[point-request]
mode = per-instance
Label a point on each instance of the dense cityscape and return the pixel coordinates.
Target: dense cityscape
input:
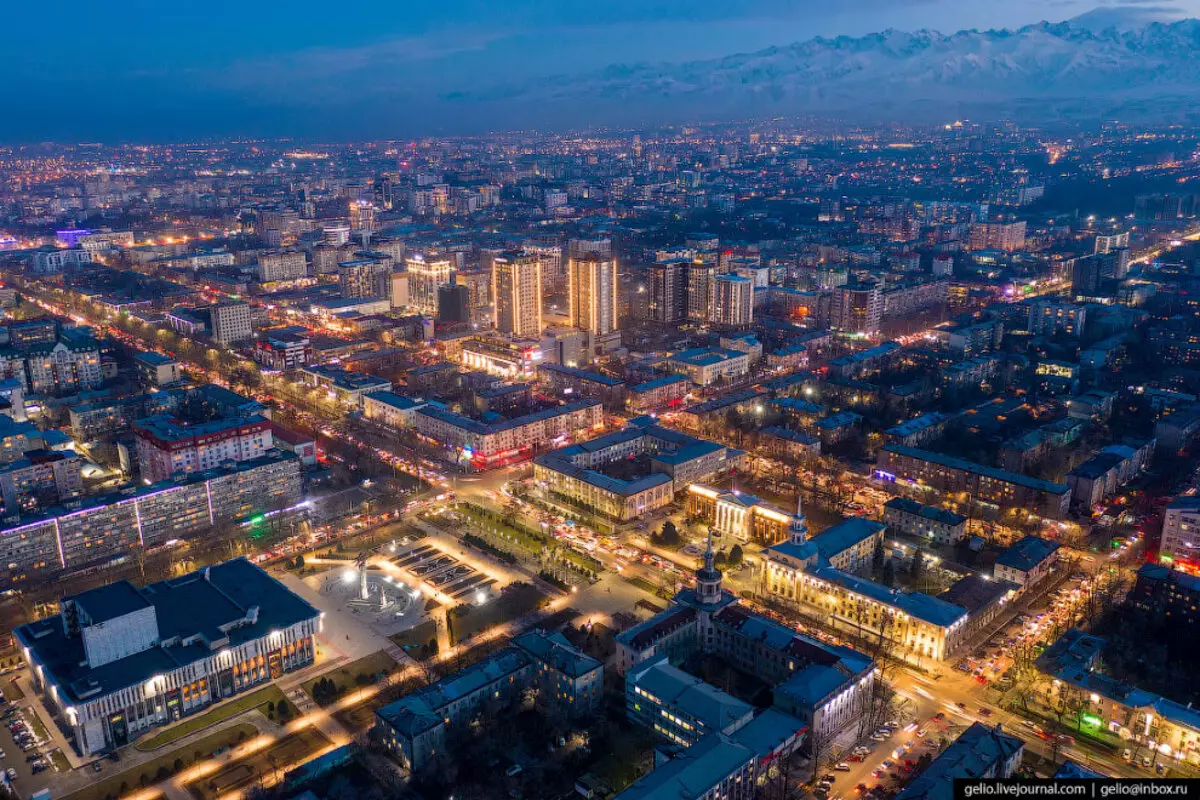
(773, 459)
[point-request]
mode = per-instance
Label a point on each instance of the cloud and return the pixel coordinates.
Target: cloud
(1128, 14)
(314, 72)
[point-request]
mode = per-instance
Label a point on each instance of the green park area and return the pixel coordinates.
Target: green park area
(265, 767)
(166, 765)
(228, 710)
(415, 641)
(515, 601)
(327, 688)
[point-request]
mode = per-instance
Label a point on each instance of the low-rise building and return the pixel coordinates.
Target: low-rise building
(155, 369)
(492, 444)
(980, 751)
(1028, 562)
(925, 522)
(918, 431)
(742, 516)
(704, 366)
(672, 461)
(575, 383)
(680, 707)
(789, 445)
(392, 410)
(347, 388)
(657, 394)
(1166, 593)
(415, 728)
(118, 661)
(951, 475)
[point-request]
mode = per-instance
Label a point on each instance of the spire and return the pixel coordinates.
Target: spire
(798, 530)
(708, 577)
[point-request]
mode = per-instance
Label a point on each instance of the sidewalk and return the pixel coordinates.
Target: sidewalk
(33, 700)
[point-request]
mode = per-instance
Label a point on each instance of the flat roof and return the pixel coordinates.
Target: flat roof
(195, 613)
(658, 383)
(582, 374)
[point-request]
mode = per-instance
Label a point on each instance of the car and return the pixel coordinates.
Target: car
(1146, 762)
(877, 773)
(842, 767)
(987, 712)
(962, 706)
(891, 724)
(1127, 755)
(11, 774)
(828, 778)
(1065, 739)
(1028, 723)
(858, 759)
(861, 788)
(939, 716)
(921, 733)
(888, 763)
(97, 766)
(877, 738)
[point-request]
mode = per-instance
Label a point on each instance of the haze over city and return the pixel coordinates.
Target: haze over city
(618, 401)
(158, 73)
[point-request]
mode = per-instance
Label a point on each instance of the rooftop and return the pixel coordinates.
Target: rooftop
(910, 506)
(712, 708)
(974, 754)
(921, 606)
(1027, 553)
(217, 607)
(554, 649)
(963, 464)
(422, 710)
(582, 374)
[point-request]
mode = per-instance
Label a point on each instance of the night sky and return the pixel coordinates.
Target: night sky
(137, 70)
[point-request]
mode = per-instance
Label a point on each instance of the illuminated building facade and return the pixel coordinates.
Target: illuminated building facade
(118, 661)
(517, 295)
(742, 516)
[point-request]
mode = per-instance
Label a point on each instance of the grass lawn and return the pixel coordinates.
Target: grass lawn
(131, 779)
(271, 763)
(357, 718)
(412, 639)
(516, 601)
(35, 722)
(346, 677)
(59, 760)
(259, 697)
(643, 584)
(517, 535)
(12, 691)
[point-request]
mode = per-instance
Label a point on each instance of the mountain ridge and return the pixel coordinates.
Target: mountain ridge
(1060, 64)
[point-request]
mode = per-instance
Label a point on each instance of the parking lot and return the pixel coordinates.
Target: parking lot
(25, 757)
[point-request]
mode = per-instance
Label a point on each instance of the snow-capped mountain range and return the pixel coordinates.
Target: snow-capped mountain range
(1040, 71)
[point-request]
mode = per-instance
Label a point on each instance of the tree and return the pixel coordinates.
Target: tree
(916, 572)
(669, 535)
(889, 574)
(877, 558)
(299, 562)
(735, 556)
